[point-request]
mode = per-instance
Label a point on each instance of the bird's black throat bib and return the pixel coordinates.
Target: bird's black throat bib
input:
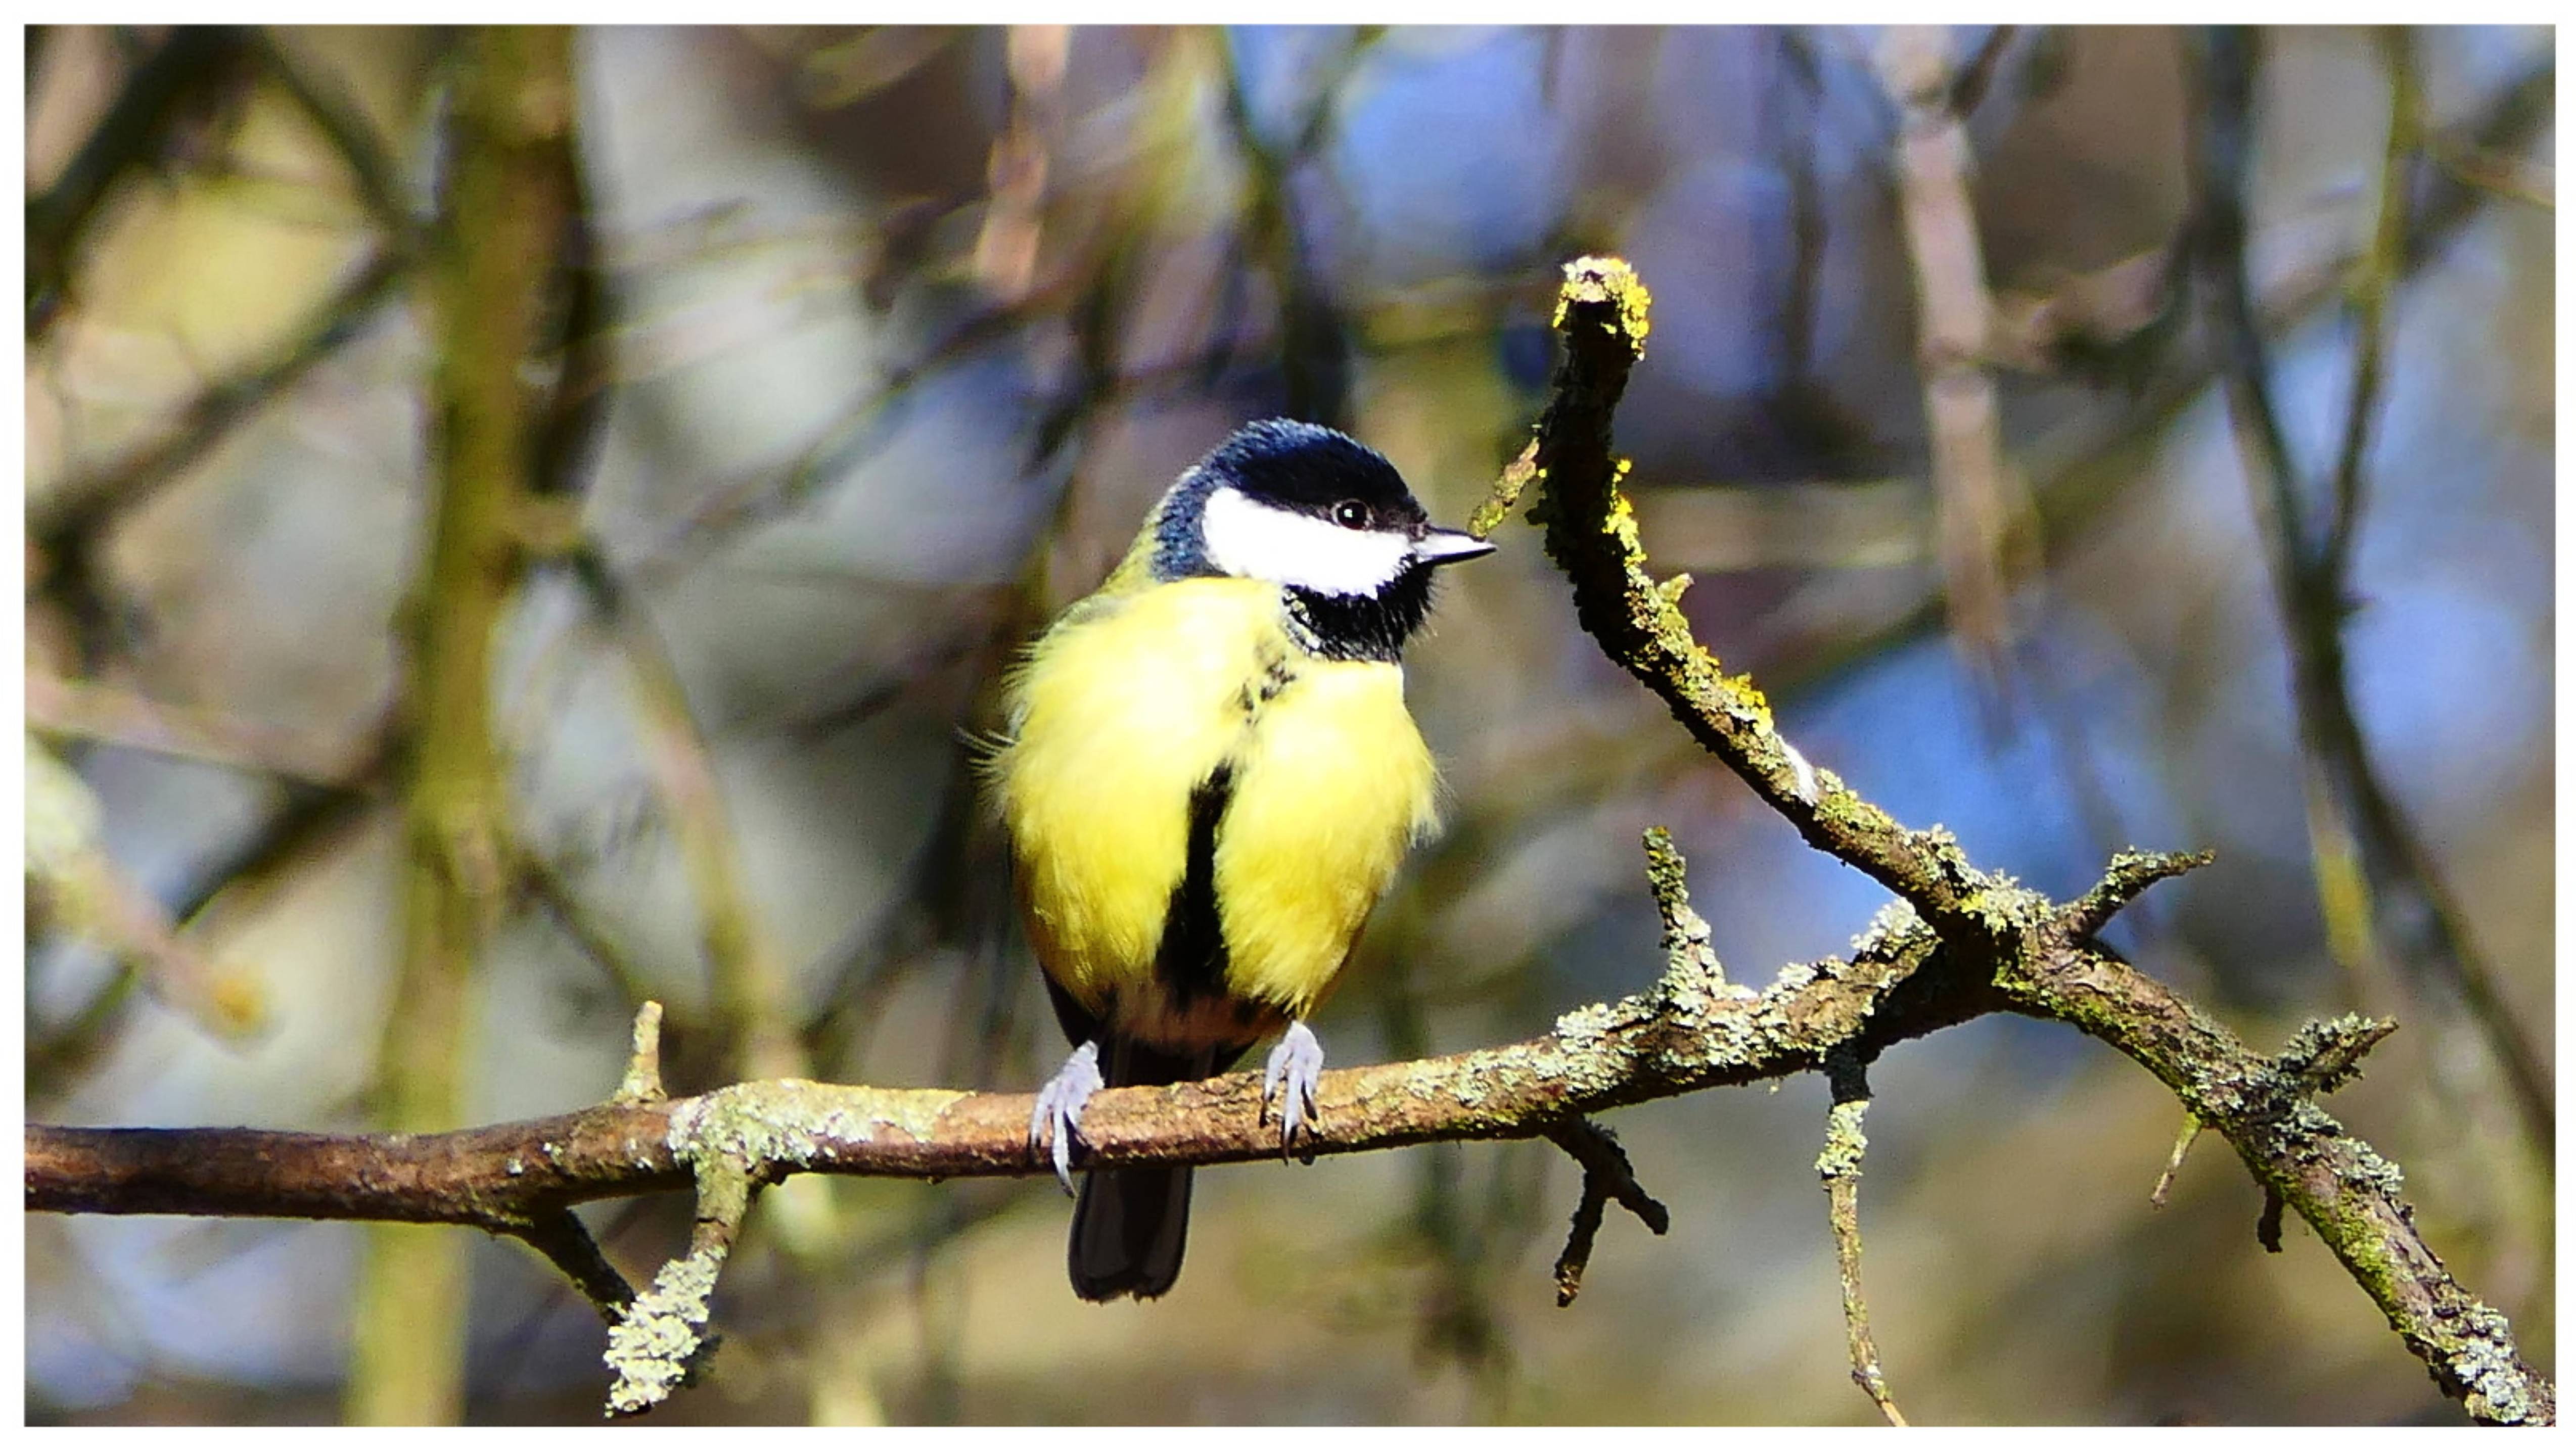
(1368, 627)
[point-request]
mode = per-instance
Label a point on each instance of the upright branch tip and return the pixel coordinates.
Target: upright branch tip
(642, 1084)
(1595, 282)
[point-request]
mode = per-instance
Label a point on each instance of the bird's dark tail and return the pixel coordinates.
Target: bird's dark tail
(1131, 1223)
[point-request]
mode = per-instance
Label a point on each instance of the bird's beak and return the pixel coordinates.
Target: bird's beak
(1447, 546)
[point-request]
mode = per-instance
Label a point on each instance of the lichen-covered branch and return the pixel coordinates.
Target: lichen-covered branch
(2350, 1194)
(1839, 1165)
(1592, 535)
(1671, 1039)
(1993, 933)
(567, 1244)
(661, 1339)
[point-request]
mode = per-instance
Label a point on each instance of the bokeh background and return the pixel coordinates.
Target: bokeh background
(888, 339)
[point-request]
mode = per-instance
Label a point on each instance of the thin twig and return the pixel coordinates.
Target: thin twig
(2371, 284)
(104, 714)
(2191, 1130)
(351, 136)
(1839, 1166)
(750, 981)
(1313, 340)
(2513, 177)
(1968, 89)
(1690, 964)
(2130, 872)
(2325, 1055)
(642, 1084)
(72, 508)
(568, 1245)
(74, 885)
(1607, 1177)
(543, 882)
(1983, 500)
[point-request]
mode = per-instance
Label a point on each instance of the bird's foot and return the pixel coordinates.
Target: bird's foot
(1296, 1069)
(1059, 1109)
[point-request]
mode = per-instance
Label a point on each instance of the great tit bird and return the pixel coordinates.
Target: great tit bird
(1209, 777)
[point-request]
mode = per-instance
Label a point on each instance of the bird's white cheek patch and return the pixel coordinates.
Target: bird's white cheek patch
(1255, 541)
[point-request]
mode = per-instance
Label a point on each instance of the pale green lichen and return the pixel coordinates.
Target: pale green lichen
(799, 1122)
(1585, 1026)
(660, 1340)
(1889, 932)
(2002, 906)
(1845, 1143)
(1798, 975)
(1690, 965)
(2324, 1055)
(1848, 812)
(2484, 1362)
(652, 1346)
(728, 1137)
(2374, 1173)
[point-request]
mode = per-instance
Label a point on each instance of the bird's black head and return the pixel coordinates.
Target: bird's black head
(1322, 515)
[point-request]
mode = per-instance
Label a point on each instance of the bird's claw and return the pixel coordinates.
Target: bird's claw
(1295, 1070)
(1058, 1112)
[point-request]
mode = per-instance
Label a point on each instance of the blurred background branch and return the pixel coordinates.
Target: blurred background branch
(497, 262)
(2373, 875)
(1982, 503)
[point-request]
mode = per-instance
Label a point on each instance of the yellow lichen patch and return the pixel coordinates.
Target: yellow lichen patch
(1608, 279)
(1521, 472)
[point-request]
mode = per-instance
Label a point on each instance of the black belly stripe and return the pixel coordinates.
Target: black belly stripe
(1190, 960)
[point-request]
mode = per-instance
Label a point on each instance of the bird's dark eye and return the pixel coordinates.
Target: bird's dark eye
(1351, 513)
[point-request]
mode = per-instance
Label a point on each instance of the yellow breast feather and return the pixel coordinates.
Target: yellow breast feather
(1334, 786)
(1131, 702)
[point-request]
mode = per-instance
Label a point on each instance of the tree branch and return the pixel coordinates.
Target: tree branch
(1664, 1042)
(2035, 950)
(1839, 1166)
(1958, 944)
(1607, 1177)
(1982, 500)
